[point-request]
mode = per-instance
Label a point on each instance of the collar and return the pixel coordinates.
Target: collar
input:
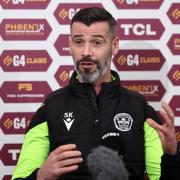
(83, 90)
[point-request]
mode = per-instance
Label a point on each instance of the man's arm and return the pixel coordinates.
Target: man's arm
(35, 160)
(34, 152)
(170, 164)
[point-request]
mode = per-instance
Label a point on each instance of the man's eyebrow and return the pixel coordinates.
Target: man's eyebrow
(79, 35)
(76, 36)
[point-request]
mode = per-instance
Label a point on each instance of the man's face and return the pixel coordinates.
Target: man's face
(92, 48)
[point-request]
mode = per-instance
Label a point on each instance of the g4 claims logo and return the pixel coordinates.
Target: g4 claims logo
(65, 11)
(18, 1)
(25, 60)
(138, 4)
(24, 4)
(15, 123)
(138, 60)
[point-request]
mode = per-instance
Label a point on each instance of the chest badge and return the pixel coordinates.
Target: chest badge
(123, 121)
(68, 119)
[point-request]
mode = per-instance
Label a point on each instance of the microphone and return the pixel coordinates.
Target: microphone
(105, 164)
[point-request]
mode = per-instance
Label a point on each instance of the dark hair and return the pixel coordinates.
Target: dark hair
(91, 15)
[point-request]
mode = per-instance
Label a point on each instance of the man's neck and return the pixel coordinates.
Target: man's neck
(98, 84)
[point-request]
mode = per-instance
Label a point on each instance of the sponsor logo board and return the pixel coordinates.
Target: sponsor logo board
(24, 91)
(140, 29)
(139, 60)
(63, 74)
(25, 60)
(152, 90)
(25, 29)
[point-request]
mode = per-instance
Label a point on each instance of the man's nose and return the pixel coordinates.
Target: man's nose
(87, 50)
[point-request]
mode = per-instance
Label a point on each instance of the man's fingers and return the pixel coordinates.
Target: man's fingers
(68, 154)
(69, 162)
(68, 169)
(153, 124)
(169, 111)
(159, 128)
(64, 148)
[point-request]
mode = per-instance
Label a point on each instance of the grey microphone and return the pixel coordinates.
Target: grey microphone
(105, 164)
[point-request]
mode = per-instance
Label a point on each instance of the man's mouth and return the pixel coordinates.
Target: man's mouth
(87, 64)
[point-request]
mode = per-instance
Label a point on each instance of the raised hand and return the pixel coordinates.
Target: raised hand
(166, 131)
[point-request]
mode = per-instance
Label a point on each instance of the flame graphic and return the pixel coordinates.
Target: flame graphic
(63, 14)
(176, 75)
(178, 136)
(7, 60)
(8, 123)
(176, 14)
(121, 60)
(6, 1)
(64, 76)
(120, 1)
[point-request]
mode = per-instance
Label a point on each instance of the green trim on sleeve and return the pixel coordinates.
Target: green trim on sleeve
(153, 152)
(34, 151)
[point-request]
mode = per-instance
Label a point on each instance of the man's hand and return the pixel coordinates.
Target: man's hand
(62, 160)
(166, 131)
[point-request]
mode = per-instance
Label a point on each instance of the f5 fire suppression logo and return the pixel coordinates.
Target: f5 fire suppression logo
(152, 90)
(140, 29)
(174, 44)
(175, 105)
(24, 91)
(25, 29)
(15, 123)
(138, 60)
(174, 75)
(65, 11)
(174, 13)
(63, 74)
(24, 4)
(138, 4)
(25, 60)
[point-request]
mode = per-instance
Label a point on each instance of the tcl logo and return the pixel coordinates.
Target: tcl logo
(10, 153)
(140, 29)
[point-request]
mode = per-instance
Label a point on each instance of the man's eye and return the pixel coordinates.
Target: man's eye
(78, 42)
(97, 43)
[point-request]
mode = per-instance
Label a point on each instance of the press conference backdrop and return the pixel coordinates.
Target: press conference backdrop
(35, 58)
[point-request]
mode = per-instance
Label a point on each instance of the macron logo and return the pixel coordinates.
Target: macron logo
(68, 119)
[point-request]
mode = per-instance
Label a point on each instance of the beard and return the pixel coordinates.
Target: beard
(88, 75)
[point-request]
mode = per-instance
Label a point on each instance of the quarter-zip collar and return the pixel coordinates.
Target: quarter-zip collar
(82, 90)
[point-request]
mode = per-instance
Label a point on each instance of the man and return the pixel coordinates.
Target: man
(73, 120)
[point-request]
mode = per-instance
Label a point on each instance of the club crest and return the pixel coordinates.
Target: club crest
(123, 121)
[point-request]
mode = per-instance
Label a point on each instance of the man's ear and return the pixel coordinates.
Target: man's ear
(115, 46)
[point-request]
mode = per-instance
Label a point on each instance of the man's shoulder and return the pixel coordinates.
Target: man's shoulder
(132, 94)
(59, 93)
